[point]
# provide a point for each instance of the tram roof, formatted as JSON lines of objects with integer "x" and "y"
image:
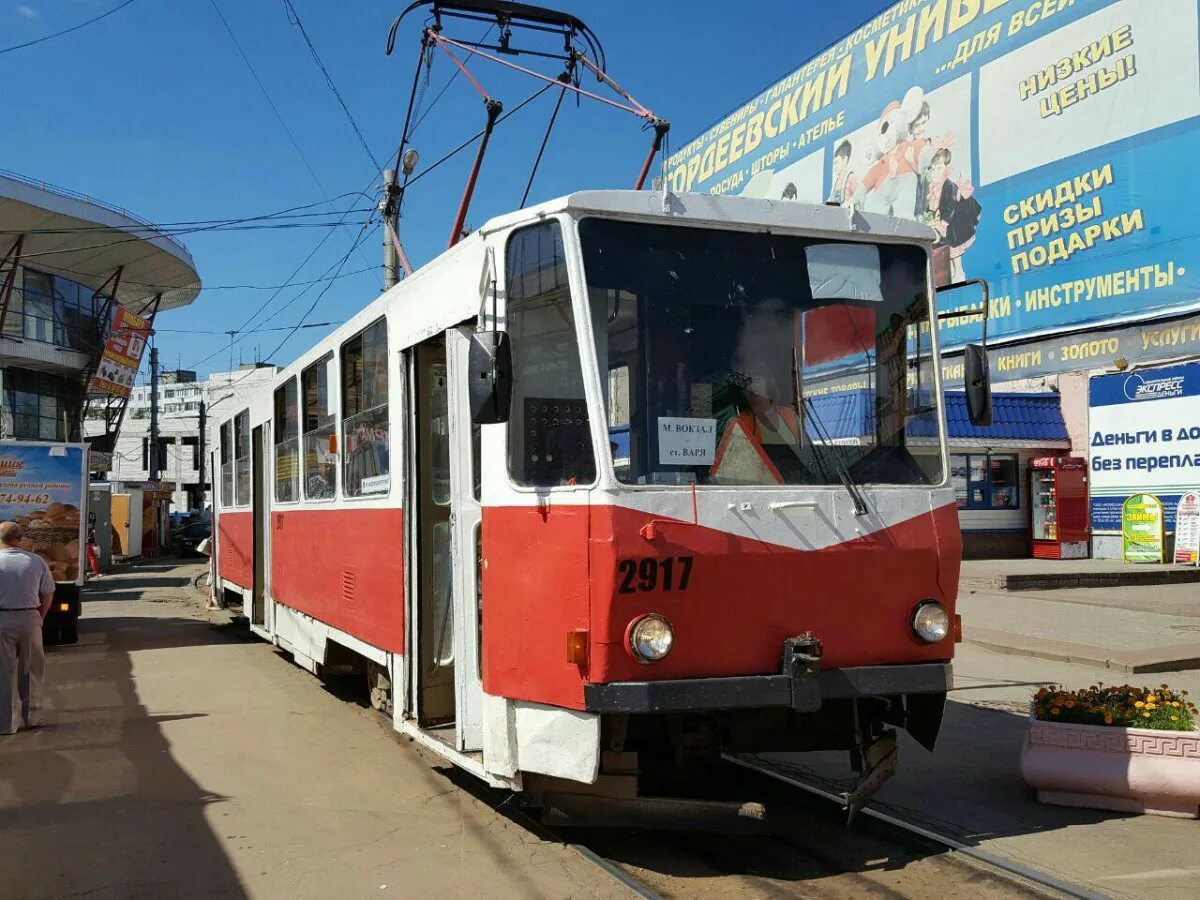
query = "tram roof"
{"x": 721, "y": 210}
{"x": 79, "y": 238}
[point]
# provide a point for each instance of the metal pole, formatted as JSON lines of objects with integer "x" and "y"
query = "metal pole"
{"x": 494, "y": 108}
{"x": 391, "y": 222}
{"x": 203, "y": 428}
{"x": 153, "y": 455}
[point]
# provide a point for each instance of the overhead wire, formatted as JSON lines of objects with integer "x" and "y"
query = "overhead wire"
{"x": 65, "y": 31}
{"x": 244, "y": 328}
{"x": 317, "y": 299}
{"x": 294, "y": 18}
{"x": 267, "y": 96}
{"x": 141, "y": 239}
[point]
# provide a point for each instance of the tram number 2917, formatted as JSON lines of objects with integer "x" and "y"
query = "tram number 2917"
{"x": 649, "y": 574}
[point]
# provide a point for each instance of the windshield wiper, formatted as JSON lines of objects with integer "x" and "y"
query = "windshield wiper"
{"x": 801, "y": 402}
{"x": 823, "y": 440}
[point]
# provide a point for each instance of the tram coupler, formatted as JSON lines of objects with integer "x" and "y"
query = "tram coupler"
{"x": 802, "y": 664}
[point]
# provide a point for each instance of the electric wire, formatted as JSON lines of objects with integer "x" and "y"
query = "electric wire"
{"x": 362, "y": 235}
{"x": 196, "y": 230}
{"x": 65, "y": 31}
{"x": 294, "y": 18}
{"x": 266, "y": 94}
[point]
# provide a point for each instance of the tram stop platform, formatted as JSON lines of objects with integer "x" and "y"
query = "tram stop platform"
{"x": 1099, "y": 613}
{"x": 181, "y": 758}
{"x": 1060, "y": 574}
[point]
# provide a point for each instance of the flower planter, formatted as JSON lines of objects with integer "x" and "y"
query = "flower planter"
{"x": 1136, "y": 770}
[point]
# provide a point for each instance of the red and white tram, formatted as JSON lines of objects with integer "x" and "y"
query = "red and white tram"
{"x": 579, "y": 488}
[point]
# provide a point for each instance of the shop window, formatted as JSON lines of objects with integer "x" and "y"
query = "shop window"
{"x": 227, "y": 497}
{"x": 320, "y": 453}
{"x": 287, "y": 443}
{"x": 549, "y": 442}
{"x": 985, "y": 481}
{"x": 241, "y": 460}
{"x": 365, "y": 437}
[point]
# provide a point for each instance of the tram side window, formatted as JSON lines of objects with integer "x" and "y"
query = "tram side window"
{"x": 227, "y": 497}
{"x": 365, "y": 463}
{"x": 241, "y": 460}
{"x": 287, "y": 443}
{"x": 320, "y": 456}
{"x": 549, "y": 442}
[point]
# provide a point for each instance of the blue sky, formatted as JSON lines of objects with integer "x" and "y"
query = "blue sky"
{"x": 154, "y": 110}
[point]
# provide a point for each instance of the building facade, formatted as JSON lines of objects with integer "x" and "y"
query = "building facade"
{"x": 184, "y": 405}
{"x": 1040, "y": 141}
{"x": 69, "y": 267}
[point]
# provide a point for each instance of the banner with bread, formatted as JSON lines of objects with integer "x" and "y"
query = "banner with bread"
{"x": 42, "y": 489}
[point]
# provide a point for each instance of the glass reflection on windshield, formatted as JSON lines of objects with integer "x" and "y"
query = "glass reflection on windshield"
{"x": 731, "y": 358}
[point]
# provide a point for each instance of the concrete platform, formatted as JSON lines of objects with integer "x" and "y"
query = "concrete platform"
{"x": 1063, "y": 574}
{"x": 1129, "y": 630}
{"x": 182, "y": 760}
{"x": 970, "y": 787}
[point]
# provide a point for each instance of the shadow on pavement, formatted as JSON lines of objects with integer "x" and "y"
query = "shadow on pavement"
{"x": 970, "y": 788}
{"x": 94, "y": 803}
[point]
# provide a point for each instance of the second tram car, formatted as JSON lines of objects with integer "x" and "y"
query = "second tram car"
{"x": 578, "y": 499}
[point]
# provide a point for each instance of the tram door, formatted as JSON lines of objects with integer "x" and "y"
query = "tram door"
{"x": 259, "y": 513}
{"x": 466, "y": 523}
{"x": 432, "y": 634}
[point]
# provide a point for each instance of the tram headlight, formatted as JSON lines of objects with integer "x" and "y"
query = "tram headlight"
{"x": 650, "y": 638}
{"x": 931, "y": 622}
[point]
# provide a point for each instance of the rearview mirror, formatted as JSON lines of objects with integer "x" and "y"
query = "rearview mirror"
{"x": 489, "y": 377}
{"x": 978, "y": 379}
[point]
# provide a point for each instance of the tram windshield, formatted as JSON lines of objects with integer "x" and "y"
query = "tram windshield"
{"x": 735, "y": 358}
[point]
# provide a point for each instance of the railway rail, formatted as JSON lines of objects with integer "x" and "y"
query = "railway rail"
{"x": 804, "y": 850}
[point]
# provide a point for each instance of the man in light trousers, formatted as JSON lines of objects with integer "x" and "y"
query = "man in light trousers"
{"x": 26, "y": 592}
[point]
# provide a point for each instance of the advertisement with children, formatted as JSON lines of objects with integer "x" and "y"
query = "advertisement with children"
{"x": 1012, "y": 129}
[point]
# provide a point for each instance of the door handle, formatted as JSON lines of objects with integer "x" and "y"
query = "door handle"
{"x": 795, "y": 504}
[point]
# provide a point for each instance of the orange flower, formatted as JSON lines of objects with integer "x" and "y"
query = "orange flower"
{"x": 1054, "y": 710}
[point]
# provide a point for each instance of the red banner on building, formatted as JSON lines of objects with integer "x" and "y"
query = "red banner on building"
{"x": 122, "y": 353}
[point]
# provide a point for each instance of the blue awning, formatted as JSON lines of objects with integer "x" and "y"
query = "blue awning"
{"x": 1028, "y": 418}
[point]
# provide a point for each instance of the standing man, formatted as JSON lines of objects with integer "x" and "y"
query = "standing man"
{"x": 26, "y": 592}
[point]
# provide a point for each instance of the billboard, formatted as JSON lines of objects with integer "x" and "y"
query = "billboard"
{"x": 42, "y": 489}
{"x": 1040, "y": 139}
{"x": 127, "y": 336}
{"x": 1144, "y": 436}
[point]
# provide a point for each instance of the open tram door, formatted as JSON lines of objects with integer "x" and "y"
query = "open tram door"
{"x": 446, "y": 692}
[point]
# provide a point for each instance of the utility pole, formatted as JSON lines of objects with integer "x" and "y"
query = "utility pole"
{"x": 154, "y": 461}
{"x": 390, "y": 207}
{"x": 203, "y": 453}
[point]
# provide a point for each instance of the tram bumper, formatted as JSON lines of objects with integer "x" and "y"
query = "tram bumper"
{"x": 801, "y": 685}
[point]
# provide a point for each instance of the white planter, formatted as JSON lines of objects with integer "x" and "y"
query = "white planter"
{"x": 1138, "y": 770}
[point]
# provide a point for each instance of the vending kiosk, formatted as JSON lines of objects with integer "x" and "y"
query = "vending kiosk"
{"x": 1058, "y": 507}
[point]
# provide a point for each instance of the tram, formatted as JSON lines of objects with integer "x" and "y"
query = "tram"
{"x": 578, "y": 499}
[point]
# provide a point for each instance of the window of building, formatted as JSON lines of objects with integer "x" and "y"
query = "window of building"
{"x": 55, "y": 310}
{"x": 227, "y": 497}
{"x": 241, "y": 460}
{"x": 287, "y": 443}
{"x": 365, "y": 462}
{"x": 549, "y": 442}
{"x": 985, "y": 480}
{"x": 190, "y": 449}
{"x": 320, "y": 456}
{"x": 39, "y": 404}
